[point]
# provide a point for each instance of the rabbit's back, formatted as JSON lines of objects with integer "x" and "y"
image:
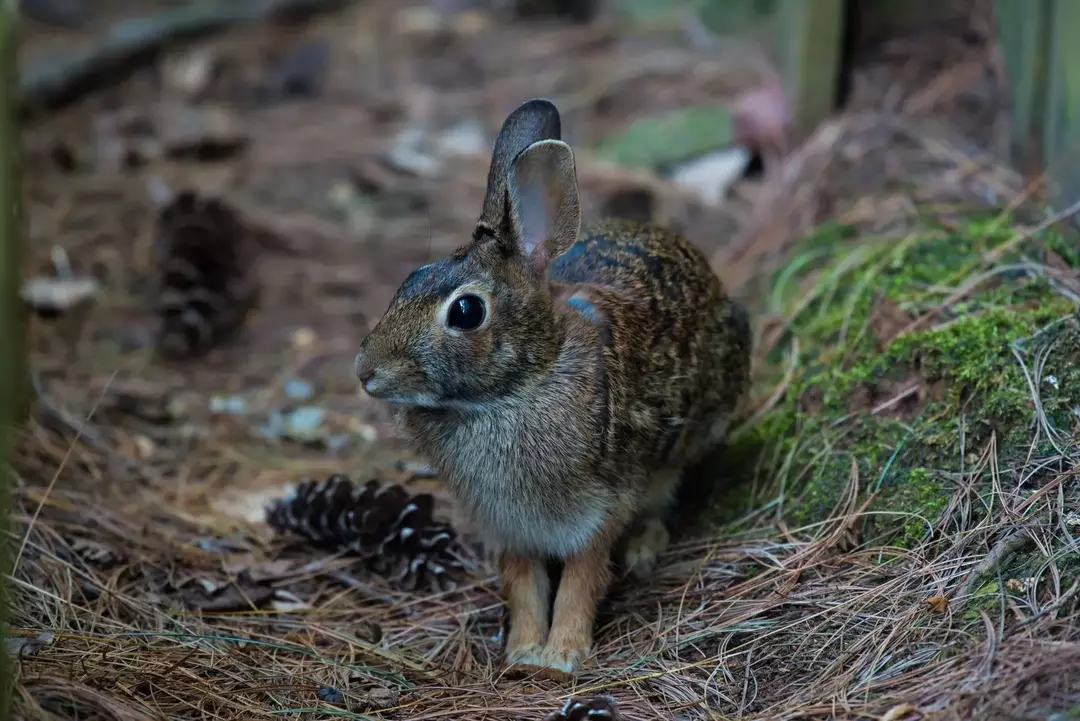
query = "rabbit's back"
{"x": 678, "y": 346}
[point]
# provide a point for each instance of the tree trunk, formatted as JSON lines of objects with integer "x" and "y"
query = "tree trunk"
{"x": 12, "y": 366}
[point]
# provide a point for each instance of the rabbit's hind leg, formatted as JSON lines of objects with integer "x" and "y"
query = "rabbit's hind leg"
{"x": 649, "y": 537}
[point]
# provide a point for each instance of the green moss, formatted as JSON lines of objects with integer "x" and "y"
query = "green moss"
{"x": 986, "y": 599}
{"x": 898, "y": 415}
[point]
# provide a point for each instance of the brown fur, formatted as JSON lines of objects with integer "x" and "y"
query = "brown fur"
{"x": 610, "y": 358}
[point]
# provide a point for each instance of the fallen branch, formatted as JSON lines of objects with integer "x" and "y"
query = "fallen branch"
{"x": 129, "y": 43}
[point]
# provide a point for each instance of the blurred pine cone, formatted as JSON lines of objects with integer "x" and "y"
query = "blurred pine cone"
{"x": 577, "y": 708}
{"x": 392, "y": 530}
{"x": 206, "y": 282}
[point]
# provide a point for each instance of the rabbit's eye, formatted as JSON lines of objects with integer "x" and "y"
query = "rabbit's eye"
{"x": 465, "y": 313}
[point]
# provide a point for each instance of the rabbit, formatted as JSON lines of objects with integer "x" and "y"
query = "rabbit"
{"x": 560, "y": 378}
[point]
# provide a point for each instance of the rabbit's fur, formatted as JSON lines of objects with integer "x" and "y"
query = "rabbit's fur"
{"x": 608, "y": 359}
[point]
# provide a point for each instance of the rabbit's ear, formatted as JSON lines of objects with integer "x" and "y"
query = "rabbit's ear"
{"x": 533, "y": 120}
{"x": 545, "y": 210}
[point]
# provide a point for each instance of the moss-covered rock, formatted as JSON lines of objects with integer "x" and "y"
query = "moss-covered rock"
{"x": 912, "y": 366}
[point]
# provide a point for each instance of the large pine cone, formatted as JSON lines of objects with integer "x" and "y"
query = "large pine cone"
{"x": 392, "y": 530}
{"x": 206, "y": 283}
{"x": 577, "y": 708}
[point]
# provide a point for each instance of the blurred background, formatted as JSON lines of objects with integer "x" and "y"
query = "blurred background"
{"x": 343, "y": 143}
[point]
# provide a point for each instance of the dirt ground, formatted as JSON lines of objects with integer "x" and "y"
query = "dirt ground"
{"x": 150, "y": 585}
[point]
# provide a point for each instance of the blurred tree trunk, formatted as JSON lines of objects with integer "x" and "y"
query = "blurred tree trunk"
{"x": 12, "y": 366}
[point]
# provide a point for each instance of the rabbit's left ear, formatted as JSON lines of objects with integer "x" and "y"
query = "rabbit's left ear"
{"x": 545, "y": 209}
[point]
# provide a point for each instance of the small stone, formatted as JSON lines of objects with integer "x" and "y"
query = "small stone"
{"x": 305, "y": 424}
{"x": 299, "y": 389}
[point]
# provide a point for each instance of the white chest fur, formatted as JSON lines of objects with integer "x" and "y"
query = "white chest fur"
{"x": 524, "y": 479}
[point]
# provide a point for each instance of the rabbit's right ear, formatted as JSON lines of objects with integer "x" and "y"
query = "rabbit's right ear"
{"x": 545, "y": 210}
{"x": 532, "y": 121}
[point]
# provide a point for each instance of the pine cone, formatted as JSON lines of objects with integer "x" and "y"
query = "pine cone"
{"x": 577, "y": 708}
{"x": 392, "y": 530}
{"x": 206, "y": 282}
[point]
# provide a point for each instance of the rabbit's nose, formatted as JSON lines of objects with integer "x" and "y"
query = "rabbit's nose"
{"x": 365, "y": 369}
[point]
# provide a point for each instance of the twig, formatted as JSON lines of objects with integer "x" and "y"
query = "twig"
{"x": 1011, "y": 543}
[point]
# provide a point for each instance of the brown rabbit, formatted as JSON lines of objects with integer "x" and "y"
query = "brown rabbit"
{"x": 560, "y": 378}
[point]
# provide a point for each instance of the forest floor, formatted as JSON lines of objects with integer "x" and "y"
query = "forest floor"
{"x": 902, "y": 294}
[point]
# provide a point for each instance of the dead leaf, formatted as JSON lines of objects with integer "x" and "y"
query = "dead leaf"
{"x": 205, "y": 132}
{"x": 272, "y": 570}
{"x": 812, "y": 401}
{"x": 380, "y": 698}
{"x": 95, "y": 553}
{"x": 902, "y": 712}
{"x": 887, "y": 320}
{"x": 939, "y": 603}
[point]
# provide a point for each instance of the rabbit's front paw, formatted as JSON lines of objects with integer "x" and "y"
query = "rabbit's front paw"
{"x": 645, "y": 547}
{"x": 561, "y": 661}
{"x": 527, "y": 655}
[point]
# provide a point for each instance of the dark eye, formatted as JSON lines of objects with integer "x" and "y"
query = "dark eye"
{"x": 466, "y": 313}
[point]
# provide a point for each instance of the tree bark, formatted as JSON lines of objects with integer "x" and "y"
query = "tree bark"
{"x": 13, "y": 394}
